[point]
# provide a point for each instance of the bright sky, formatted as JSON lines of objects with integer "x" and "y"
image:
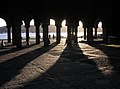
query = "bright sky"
{"x": 2, "y": 22}
{"x": 80, "y": 24}
{"x": 23, "y": 23}
{"x": 32, "y": 22}
{"x": 64, "y": 23}
{"x": 52, "y": 22}
{"x": 100, "y": 24}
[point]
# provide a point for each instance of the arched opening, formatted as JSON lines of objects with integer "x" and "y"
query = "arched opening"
{"x": 32, "y": 30}
{"x": 3, "y": 30}
{"x": 100, "y": 29}
{"x": 98, "y": 32}
{"x": 63, "y": 29}
{"x": 80, "y": 33}
{"x": 23, "y": 31}
{"x": 2, "y": 22}
{"x": 52, "y": 30}
{"x": 41, "y": 32}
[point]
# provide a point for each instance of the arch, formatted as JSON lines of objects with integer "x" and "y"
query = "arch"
{"x": 2, "y": 22}
{"x": 63, "y": 23}
{"x": 81, "y": 24}
{"x": 32, "y": 29}
{"x": 63, "y": 29}
{"x": 100, "y": 24}
{"x": 97, "y": 22}
{"x": 52, "y": 28}
{"x": 52, "y": 22}
{"x": 23, "y": 23}
{"x": 80, "y": 32}
{"x": 32, "y": 22}
{"x": 98, "y": 29}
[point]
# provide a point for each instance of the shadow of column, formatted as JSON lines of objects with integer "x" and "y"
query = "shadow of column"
{"x": 11, "y": 68}
{"x": 73, "y": 70}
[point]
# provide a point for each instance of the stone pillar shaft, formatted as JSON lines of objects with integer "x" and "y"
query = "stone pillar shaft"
{"x": 37, "y": 35}
{"x": 76, "y": 32}
{"x": 27, "y": 35}
{"x": 45, "y": 35}
{"x": 89, "y": 34}
{"x": 85, "y": 36}
{"x": 9, "y": 34}
{"x": 58, "y": 35}
{"x": 13, "y": 36}
{"x": 18, "y": 36}
{"x": 95, "y": 33}
{"x": 68, "y": 35}
{"x": 105, "y": 35}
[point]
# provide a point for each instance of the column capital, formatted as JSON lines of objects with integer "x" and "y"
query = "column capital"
{"x": 27, "y": 25}
{"x": 17, "y": 21}
{"x": 37, "y": 22}
{"x": 45, "y": 22}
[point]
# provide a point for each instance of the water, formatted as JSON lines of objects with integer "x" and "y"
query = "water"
{"x": 33, "y": 35}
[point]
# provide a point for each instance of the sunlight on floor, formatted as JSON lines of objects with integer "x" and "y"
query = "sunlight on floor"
{"x": 17, "y": 53}
{"x": 99, "y": 57}
{"x": 33, "y": 69}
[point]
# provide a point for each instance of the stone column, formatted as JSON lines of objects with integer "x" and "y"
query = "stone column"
{"x": 95, "y": 32}
{"x": 89, "y": 34}
{"x": 37, "y": 25}
{"x": 58, "y": 34}
{"x": 13, "y": 35}
{"x": 85, "y": 36}
{"x": 68, "y": 35}
{"x": 27, "y": 33}
{"x": 37, "y": 35}
{"x": 18, "y": 34}
{"x": 58, "y": 30}
{"x": 105, "y": 35}
{"x": 46, "y": 39}
{"x": 9, "y": 34}
{"x": 76, "y": 32}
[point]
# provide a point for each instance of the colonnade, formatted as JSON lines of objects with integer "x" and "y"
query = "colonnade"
{"x": 71, "y": 31}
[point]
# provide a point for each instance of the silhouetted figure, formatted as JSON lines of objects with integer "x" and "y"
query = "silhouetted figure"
{"x": 48, "y": 40}
{"x": 49, "y": 36}
{"x": 2, "y": 43}
{"x": 53, "y": 36}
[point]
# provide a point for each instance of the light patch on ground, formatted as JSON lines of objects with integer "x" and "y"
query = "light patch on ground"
{"x": 99, "y": 57}
{"x": 32, "y": 70}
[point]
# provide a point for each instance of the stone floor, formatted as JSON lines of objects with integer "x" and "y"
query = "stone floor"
{"x": 58, "y": 66}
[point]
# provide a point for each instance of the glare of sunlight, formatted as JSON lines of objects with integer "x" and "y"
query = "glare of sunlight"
{"x": 52, "y": 22}
{"x": 2, "y": 22}
{"x": 23, "y": 23}
{"x": 98, "y": 57}
{"x": 100, "y": 24}
{"x": 32, "y": 22}
{"x": 64, "y": 23}
{"x": 81, "y": 24}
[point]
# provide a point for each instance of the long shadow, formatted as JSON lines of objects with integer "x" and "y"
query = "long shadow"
{"x": 14, "y": 49}
{"x": 73, "y": 70}
{"x": 112, "y": 52}
{"x": 8, "y": 50}
{"x": 9, "y": 69}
